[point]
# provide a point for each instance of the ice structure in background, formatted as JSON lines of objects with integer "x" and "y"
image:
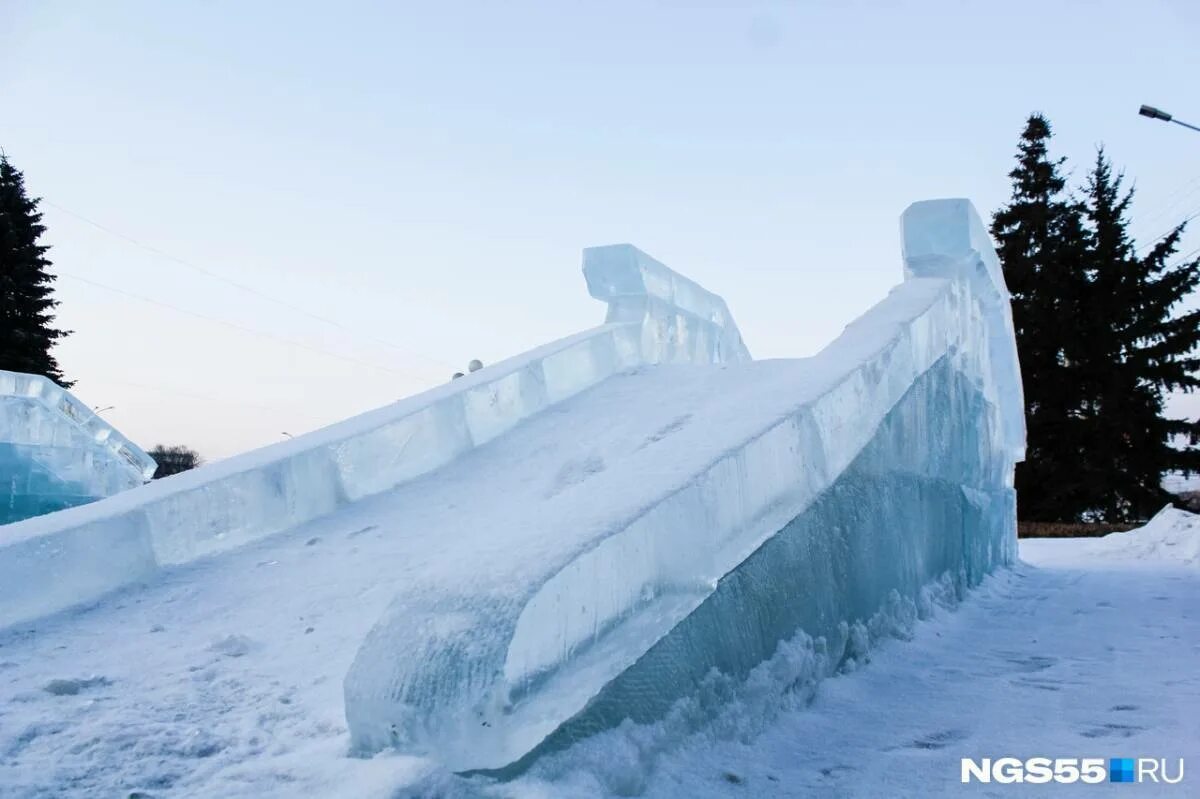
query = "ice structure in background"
{"x": 846, "y": 482}
{"x": 56, "y": 453}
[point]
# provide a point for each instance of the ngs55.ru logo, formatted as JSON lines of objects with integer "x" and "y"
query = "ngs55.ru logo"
{"x": 1040, "y": 770}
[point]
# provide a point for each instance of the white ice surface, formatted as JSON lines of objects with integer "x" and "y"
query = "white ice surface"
{"x": 1087, "y": 648}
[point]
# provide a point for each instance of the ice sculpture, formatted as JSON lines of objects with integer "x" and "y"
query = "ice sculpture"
{"x": 766, "y": 499}
{"x": 56, "y": 453}
{"x": 880, "y": 465}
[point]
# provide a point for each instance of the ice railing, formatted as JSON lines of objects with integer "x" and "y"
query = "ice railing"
{"x": 479, "y": 677}
{"x": 680, "y": 320}
{"x": 654, "y": 316}
{"x": 72, "y": 413}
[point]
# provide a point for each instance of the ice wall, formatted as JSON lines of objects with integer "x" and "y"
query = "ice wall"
{"x": 924, "y": 499}
{"x": 76, "y": 555}
{"x": 890, "y": 467}
{"x": 56, "y": 453}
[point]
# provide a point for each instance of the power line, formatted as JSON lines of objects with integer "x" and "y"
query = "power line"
{"x": 241, "y": 286}
{"x": 1173, "y": 200}
{"x": 176, "y": 392}
{"x": 1184, "y": 258}
{"x": 1144, "y": 247}
{"x": 233, "y": 325}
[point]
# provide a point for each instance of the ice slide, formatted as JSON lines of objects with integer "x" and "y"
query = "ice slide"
{"x": 582, "y": 534}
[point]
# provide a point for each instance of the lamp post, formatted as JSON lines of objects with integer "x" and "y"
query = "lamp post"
{"x": 1154, "y": 113}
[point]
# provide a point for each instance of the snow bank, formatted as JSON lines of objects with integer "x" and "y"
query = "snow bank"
{"x": 886, "y": 461}
{"x": 1173, "y": 536}
{"x": 73, "y": 556}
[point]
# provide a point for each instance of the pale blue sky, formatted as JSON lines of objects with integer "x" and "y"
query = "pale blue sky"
{"x": 426, "y": 174}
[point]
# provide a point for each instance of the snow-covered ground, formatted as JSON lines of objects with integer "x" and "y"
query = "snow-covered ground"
{"x": 1088, "y": 648}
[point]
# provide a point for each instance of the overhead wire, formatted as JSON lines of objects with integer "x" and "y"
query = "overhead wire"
{"x": 227, "y": 323}
{"x": 242, "y": 286}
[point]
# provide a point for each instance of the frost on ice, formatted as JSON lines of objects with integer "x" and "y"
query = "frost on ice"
{"x": 56, "y": 453}
{"x": 880, "y": 465}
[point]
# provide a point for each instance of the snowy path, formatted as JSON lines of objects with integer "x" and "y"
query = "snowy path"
{"x": 1088, "y": 649}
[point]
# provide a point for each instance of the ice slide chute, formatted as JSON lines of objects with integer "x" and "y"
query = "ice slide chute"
{"x": 880, "y": 465}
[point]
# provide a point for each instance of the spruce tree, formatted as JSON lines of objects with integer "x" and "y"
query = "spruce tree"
{"x": 1042, "y": 246}
{"x": 1135, "y": 351}
{"x": 26, "y": 287}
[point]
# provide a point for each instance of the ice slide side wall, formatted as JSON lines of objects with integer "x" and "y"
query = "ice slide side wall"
{"x": 481, "y": 681}
{"x": 76, "y": 555}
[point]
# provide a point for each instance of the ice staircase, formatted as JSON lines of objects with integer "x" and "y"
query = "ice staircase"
{"x": 588, "y": 532}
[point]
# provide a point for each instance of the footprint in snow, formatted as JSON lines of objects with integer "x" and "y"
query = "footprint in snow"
{"x": 71, "y": 687}
{"x": 674, "y": 427}
{"x": 233, "y": 646}
{"x": 575, "y": 472}
{"x": 938, "y": 740}
{"x": 1112, "y": 731}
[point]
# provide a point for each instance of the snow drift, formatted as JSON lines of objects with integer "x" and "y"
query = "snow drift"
{"x": 1172, "y": 536}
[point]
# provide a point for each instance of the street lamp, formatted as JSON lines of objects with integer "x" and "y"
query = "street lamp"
{"x": 1154, "y": 113}
{"x": 99, "y": 410}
